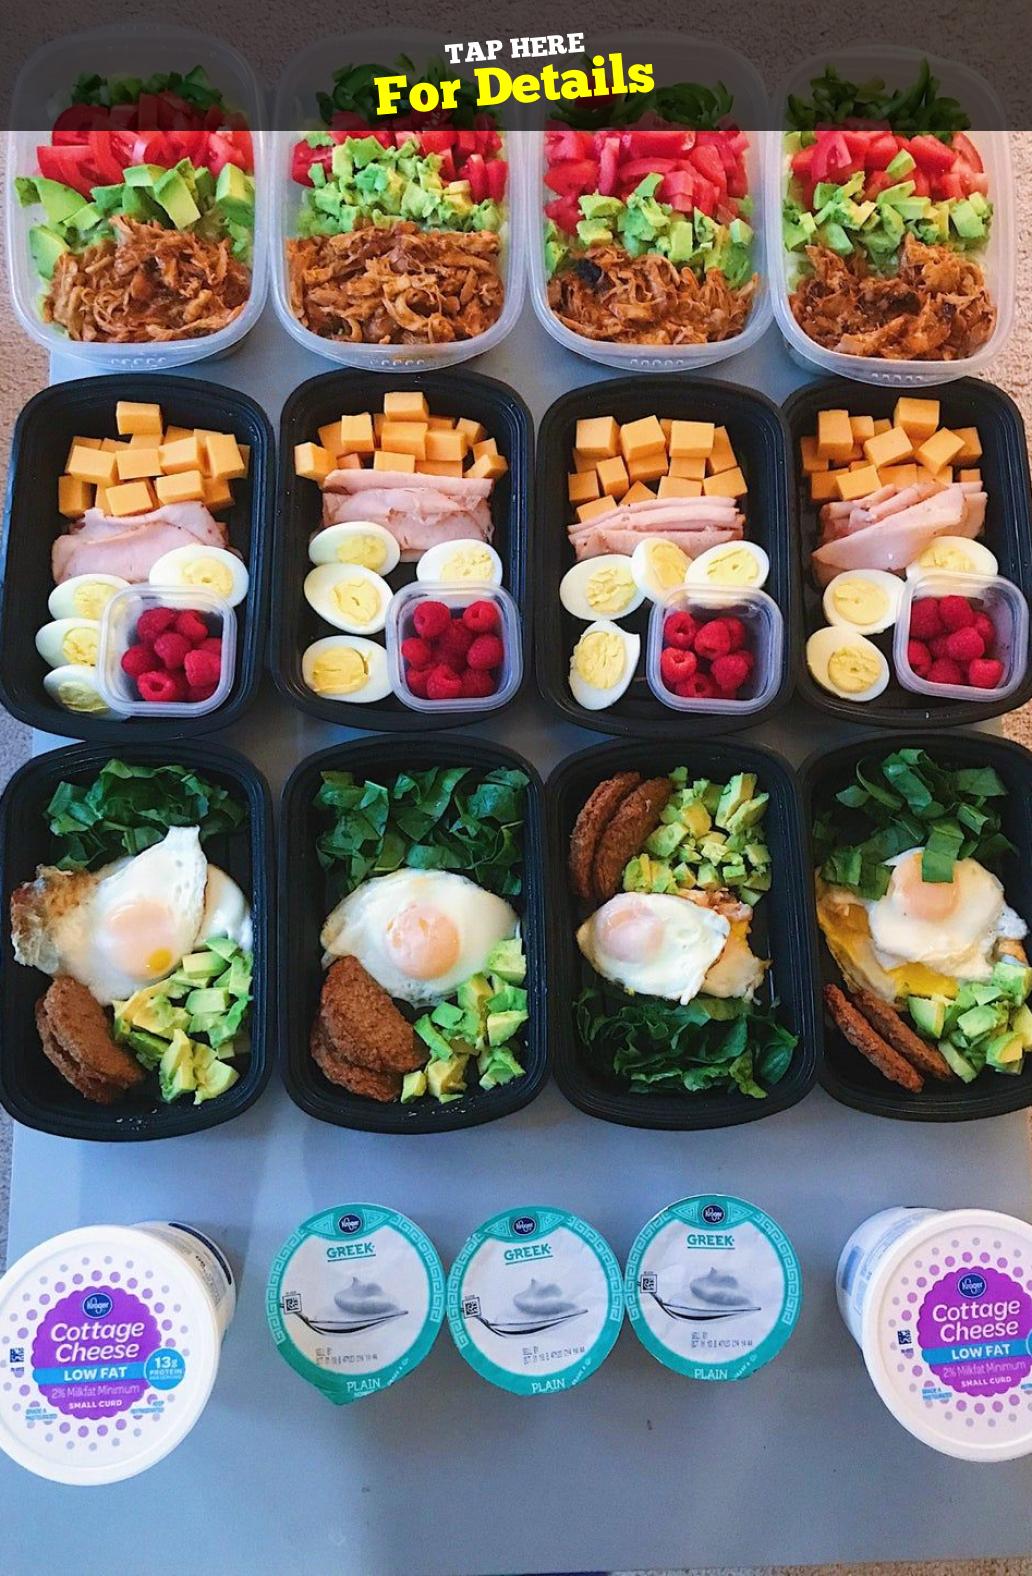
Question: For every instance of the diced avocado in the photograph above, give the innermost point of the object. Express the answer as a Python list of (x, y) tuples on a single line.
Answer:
[(891, 195), (439, 1047), (205, 188), (214, 1080), (447, 1079), (912, 208), (448, 1017), (928, 1013), (108, 199), (556, 250), (967, 223), (143, 174), (173, 194), (594, 232), (981, 204), (836, 239), (681, 242), (708, 876), (498, 1066), (501, 1026), (138, 203), (696, 818), (176, 1068), (209, 1002), (901, 165), (957, 1062), (977, 1021), (741, 233), (1021, 1025), (1005, 1052), (474, 994), (636, 874), (1014, 980), (413, 1086), (665, 839), (416, 202), (713, 846), (60, 202), (737, 792), (233, 189), (45, 246), (146, 1047), (758, 855), (748, 814), (224, 947), (507, 960), (594, 206)]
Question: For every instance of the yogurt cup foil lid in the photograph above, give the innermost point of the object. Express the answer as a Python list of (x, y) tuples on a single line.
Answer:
[(355, 1299), (713, 1287), (535, 1301)]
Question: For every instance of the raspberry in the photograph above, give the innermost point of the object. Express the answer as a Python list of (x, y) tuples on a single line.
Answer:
[(956, 612), (737, 631), (138, 659), (945, 671), (486, 651), (985, 673), (714, 638), (919, 657), (192, 627), (482, 617), (443, 684), (676, 665), (171, 649), (198, 692), (431, 619), (161, 686), (416, 679), (478, 684), (153, 623), (679, 630), (699, 687), (965, 645), (203, 668), (213, 643), (731, 672), (452, 647), (925, 623), (416, 653), (987, 629)]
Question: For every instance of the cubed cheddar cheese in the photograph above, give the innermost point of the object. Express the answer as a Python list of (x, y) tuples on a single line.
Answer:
[(329, 438), (393, 460), (112, 445), (348, 462), (940, 449), (680, 487), (972, 449), (862, 428), (131, 416), (613, 478), (439, 467), (974, 475), (668, 426), (598, 437), (446, 446), (358, 434), (475, 431), (943, 476), (183, 455), (722, 456), (823, 486), (181, 487), (378, 424), (638, 493), (882, 424), (897, 475), (487, 446), (312, 461), (583, 462), (858, 483), (74, 496), (689, 470), (405, 437), (858, 464), (810, 460), (834, 435), (223, 455), (100, 500), (441, 423), (488, 465), (888, 448), (82, 443), (726, 484), (918, 417), (135, 497), (691, 440), (132, 464), (218, 494), (582, 486), (648, 467), (92, 465), (406, 405), (595, 509), (245, 455), (174, 434), (146, 440), (639, 439)]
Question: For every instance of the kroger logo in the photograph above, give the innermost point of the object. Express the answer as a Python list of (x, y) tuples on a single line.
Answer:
[(524, 1225), (97, 1305), (713, 1214), (971, 1284), (347, 1225)]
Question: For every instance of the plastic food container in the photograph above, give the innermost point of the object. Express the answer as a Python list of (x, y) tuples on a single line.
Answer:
[(42, 89), (713, 1287), (293, 622), (759, 440), (677, 58), (898, 66), (117, 635), (110, 1345), (40, 446), (31, 1090), (1007, 608), (311, 72), (845, 1074), (940, 1304), (783, 930), (535, 1300), (309, 893), (400, 626), (1007, 534), (766, 630), (355, 1300)]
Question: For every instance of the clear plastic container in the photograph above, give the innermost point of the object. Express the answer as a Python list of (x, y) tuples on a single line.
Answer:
[(42, 90), (1005, 604), (400, 627), (766, 626), (310, 72), (117, 634), (999, 260), (683, 59)]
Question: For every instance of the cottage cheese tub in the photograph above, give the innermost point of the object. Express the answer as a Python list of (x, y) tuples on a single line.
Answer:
[(109, 1347), (535, 1301), (940, 1304), (713, 1287)]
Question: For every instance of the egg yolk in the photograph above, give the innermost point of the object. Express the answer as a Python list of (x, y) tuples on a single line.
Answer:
[(356, 600), (947, 557), (736, 566), (423, 942), (341, 671), (609, 590), (91, 599), (918, 898), (469, 563), (80, 646), (136, 935), (599, 658), (630, 933), (667, 565), (366, 550), (861, 602), (211, 573), (74, 695), (852, 670)]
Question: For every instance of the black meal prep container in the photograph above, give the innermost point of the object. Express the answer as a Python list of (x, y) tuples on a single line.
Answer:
[(1008, 534), (39, 449), (844, 1073), (295, 625), (784, 930), (31, 1090), (760, 442), (309, 893)]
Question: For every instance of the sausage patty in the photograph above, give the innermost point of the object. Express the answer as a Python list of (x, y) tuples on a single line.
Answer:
[(595, 815), (385, 1086), (364, 1023), (635, 820), (856, 1029)]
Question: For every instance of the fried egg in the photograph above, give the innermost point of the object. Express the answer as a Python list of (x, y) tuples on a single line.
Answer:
[(730, 564), (419, 933), (602, 664), (949, 926), (226, 911), (213, 569), (602, 587), (846, 663), (654, 944), (69, 640), (346, 667), (463, 562), (349, 596), (84, 596), (659, 567), (867, 600), (356, 542)]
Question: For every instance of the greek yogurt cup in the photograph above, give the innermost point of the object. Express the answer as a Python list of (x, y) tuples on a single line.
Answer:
[(109, 1346), (940, 1304), (713, 1287), (355, 1300), (535, 1301)]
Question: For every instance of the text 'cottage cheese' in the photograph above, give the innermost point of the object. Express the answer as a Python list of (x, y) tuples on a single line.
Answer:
[(713, 1287), (940, 1303), (109, 1347), (355, 1299), (535, 1301)]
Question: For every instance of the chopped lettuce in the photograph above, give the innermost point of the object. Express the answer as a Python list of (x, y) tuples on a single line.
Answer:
[(128, 807)]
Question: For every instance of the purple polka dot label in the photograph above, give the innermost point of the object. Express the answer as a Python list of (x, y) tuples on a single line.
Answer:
[(90, 1354)]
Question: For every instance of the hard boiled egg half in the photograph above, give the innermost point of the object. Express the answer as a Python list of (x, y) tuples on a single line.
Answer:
[(467, 561), (349, 596), (730, 564), (659, 567), (602, 587), (846, 663), (69, 640), (74, 686), (864, 599), (346, 667), (603, 664), (84, 596), (357, 542), (202, 568), (955, 554)]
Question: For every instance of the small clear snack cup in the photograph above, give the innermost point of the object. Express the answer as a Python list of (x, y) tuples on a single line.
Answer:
[(1005, 604), (118, 634), (765, 626), (401, 627)]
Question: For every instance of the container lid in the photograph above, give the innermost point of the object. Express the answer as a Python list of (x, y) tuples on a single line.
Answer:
[(109, 1346), (355, 1299), (713, 1287), (534, 1300), (947, 1334)]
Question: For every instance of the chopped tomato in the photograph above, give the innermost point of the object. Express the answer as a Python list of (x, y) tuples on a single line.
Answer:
[(965, 149), (563, 146), (656, 144), (497, 175), (710, 165), (474, 170), (881, 150), (931, 154), (564, 212), (438, 141), (609, 164), (73, 123), (678, 189), (220, 152), (572, 177), (69, 165)]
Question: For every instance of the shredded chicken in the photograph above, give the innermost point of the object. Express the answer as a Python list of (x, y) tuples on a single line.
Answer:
[(396, 286), (148, 284), (646, 300), (935, 308)]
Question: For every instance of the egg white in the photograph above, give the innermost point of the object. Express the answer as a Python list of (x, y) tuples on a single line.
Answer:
[(822, 645), (336, 544), (74, 598), (703, 570), (319, 593), (654, 944), (890, 585), (644, 570), (50, 639), (378, 683), (959, 943), (181, 566), (591, 696), (574, 587), (980, 560), (85, 680), (437, 563), (226, 911)]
